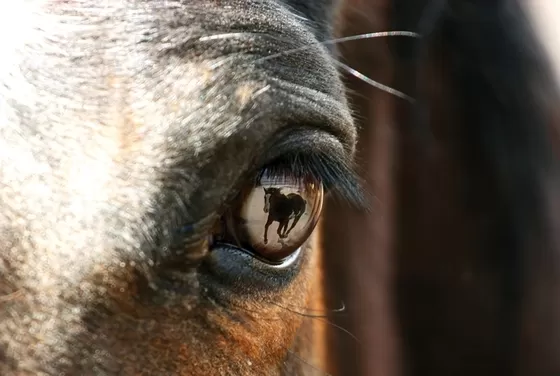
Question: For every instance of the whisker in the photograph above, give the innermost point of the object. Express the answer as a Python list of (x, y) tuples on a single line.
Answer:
[(379, 34), (293, 353), (323, 312), (303, 314), (341, 309), (294, 311), (347, 68), (374, 83), (344, 330), (322, 319), (225, 36)]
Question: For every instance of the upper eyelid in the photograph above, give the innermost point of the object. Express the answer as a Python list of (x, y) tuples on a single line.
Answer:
[(304, 140), (321, 154), (337, 177)]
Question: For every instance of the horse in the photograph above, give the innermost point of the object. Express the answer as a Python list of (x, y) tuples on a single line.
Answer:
[(281, 208), (130, 129), (130, 132)]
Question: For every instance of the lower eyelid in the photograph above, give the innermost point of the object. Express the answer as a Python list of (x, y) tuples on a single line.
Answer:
[(230, 270), (287, 262)]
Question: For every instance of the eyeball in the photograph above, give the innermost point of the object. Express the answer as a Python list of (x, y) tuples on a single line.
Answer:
[(273, 216)]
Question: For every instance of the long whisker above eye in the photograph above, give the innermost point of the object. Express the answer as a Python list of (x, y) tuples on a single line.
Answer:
[(226, 36), (380, 34), (374, 83), (347, 68)]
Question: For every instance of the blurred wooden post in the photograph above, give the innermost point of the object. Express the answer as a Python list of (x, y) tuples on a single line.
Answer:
[(358, 246)]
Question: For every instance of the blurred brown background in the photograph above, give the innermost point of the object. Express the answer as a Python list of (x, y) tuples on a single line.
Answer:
[(425, 288)]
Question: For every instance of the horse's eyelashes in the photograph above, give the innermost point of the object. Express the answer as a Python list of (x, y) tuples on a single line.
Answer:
[(273, 216)]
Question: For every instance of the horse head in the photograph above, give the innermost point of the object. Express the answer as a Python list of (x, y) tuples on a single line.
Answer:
[(268, 192)]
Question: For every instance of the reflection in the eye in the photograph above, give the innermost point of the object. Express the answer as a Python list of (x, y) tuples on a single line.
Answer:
[(274, 216), (280, 214), (282, 208)]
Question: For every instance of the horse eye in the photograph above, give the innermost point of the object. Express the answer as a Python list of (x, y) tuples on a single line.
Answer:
[(273, 217)]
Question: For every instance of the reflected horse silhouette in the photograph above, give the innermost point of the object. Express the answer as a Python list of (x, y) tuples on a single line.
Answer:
[(281, 208)]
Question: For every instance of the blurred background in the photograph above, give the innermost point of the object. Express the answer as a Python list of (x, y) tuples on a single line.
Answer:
[(430, 283)]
